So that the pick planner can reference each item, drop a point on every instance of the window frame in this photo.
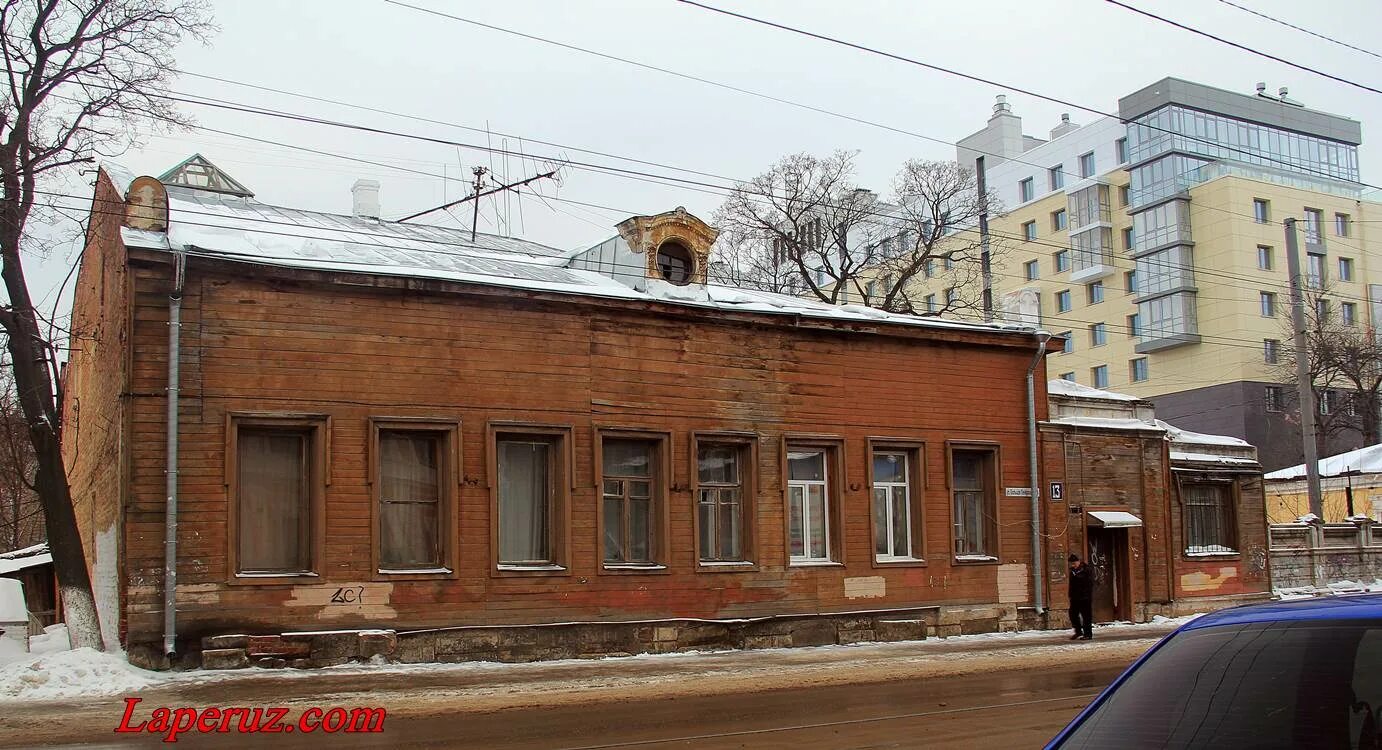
(1120, 150)
(1231, 504)
(915, 450)
(1026, 190)
(1266, 300)
(660, 484)
(559, 509)
(1265, 215)
(1032, 269)
(1029, 233)
(1348, 314)
(1098, 334)
(1094, 292)
(1087, 165)
(1271, 351)
(318, 426)
(748, 502)
(1133, 367)
(1069, 303)
(1272, 398)
(1130, 282)
(1134, 325)
(1128, 241)
(1061, 260)
(835, 483)
(1264, 253)
(1055, 177)
(1060, 220)
(448, 485)
(1342, 221)
(994, 472)
(1095, 372)
(1345, 269)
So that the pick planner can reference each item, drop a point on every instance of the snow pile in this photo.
(1061, 387)
(70, 674)
(12, 607)
(1332, 589)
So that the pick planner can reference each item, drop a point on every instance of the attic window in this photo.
(675, 263)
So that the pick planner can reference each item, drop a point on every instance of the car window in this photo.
(1275, 685)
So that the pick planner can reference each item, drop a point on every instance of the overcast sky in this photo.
(379, 55)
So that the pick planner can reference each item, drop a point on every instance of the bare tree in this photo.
(21, 516)
(805, 227)
(80, 75)
(1344, 360)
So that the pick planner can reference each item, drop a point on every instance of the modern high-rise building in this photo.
(1154, 243)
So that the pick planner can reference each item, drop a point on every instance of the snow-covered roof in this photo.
(238, 228)
(1177, 435)
(1062, 387)
(1364, 460)
(1108, 423)
(28, 557)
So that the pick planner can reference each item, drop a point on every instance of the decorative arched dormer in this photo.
(146, 205)
(675, 245)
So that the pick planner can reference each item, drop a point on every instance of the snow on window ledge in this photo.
(634, 566)
(277, 575)
(408, 571)
(816, 564)
(518, 567)
(1211, 551)
(975, 558)
(894, 559)
(725, 563)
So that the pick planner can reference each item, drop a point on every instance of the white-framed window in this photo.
(1099, 376)
(1025, 191)
(1087, 164)
(1268, 304)
(1137, 369)
(1264, 257)
(1261, 210)
(1314, 217)
(1341, 222)
(1056, 176)
(892, 506)
(808, 501)
(1031, 270)
(1314, 270)
(1345, 269)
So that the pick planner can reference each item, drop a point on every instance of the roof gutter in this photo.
(1038, 598)
(170, 521)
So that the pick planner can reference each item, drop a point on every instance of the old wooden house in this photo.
(1172, 521)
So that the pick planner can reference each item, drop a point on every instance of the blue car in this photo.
(1290, 674)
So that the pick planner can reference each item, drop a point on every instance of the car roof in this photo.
(1349, 607)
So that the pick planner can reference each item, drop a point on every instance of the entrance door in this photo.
(1104, 559)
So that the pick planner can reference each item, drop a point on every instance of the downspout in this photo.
(170, 522)
(1038, 562)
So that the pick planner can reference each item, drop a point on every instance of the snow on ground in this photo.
(1337, 587)
(52, 669)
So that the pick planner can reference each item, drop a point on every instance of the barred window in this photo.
(1209, 523)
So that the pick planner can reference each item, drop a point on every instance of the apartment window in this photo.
(1209, 523)
(1124, 196)
(1130, 282)
(1127, 238)
(930, 303)
(975, 510)
(1341, 223)
(1134, 325)
(1063, 301)
(277, 479)
(928, 269)
(1273, 398)
(1348, 313)
(1261, 210)
(1345, 269)
(533, 470)
(1095, 291)
(1264, 257)
(870, 290)
(951, 295)
(1068, 376)
(1058, 220)
(896, 503)
(1314, 270)
(1099, 376)
(1271, 351)
(1137, 369)
(1068, 342)
(1029, 231)
(414, 477)
(1031, 269)
(1120, 148)
(810, 491)
(1321, 310)
(1025, 191)
(1056, 176)
(723, 499)
(631, 479)
(1313, 219)
(1061, 258)
(1326, 403)
(948, 262)
(1087, 165)
(1098, 334)
(1268, 304)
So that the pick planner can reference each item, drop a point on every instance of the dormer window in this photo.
(675, 263)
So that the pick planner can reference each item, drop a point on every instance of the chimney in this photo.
(1261, 88)
(1000, 140)
(365, 199)
(1001, 106)
(1282, 92)
(1064, 127)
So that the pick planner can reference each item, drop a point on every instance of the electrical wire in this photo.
(1287, 24)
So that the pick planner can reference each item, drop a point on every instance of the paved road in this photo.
(1005, 692)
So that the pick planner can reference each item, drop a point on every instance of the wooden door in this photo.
(1103, 558)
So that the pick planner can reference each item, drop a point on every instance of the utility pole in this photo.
(479, 185)
(985, 261)
(1305, 392)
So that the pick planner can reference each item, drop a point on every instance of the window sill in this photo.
(899, 562)
(540, 570)
(1212, 555)
(815, 564)
(274, 579)
(975, 560)
(717, 566)
(633, 568)
(414, 571)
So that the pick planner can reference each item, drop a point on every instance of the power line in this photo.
(990, 82)
(1242, 47)
(1274, 19)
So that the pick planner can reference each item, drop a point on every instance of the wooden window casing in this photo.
(560, 483)
(1209, 521)
(244, 560)
(832, 484)
(658, 481)
(883, 526)
(974, 501)
(445, 434)
(710, 498)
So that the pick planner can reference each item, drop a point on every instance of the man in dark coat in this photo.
(1081, 599)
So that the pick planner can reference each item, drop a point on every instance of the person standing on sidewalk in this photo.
(1081, 599)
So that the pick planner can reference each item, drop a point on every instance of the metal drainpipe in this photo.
(170, 522)
(1038, 563)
